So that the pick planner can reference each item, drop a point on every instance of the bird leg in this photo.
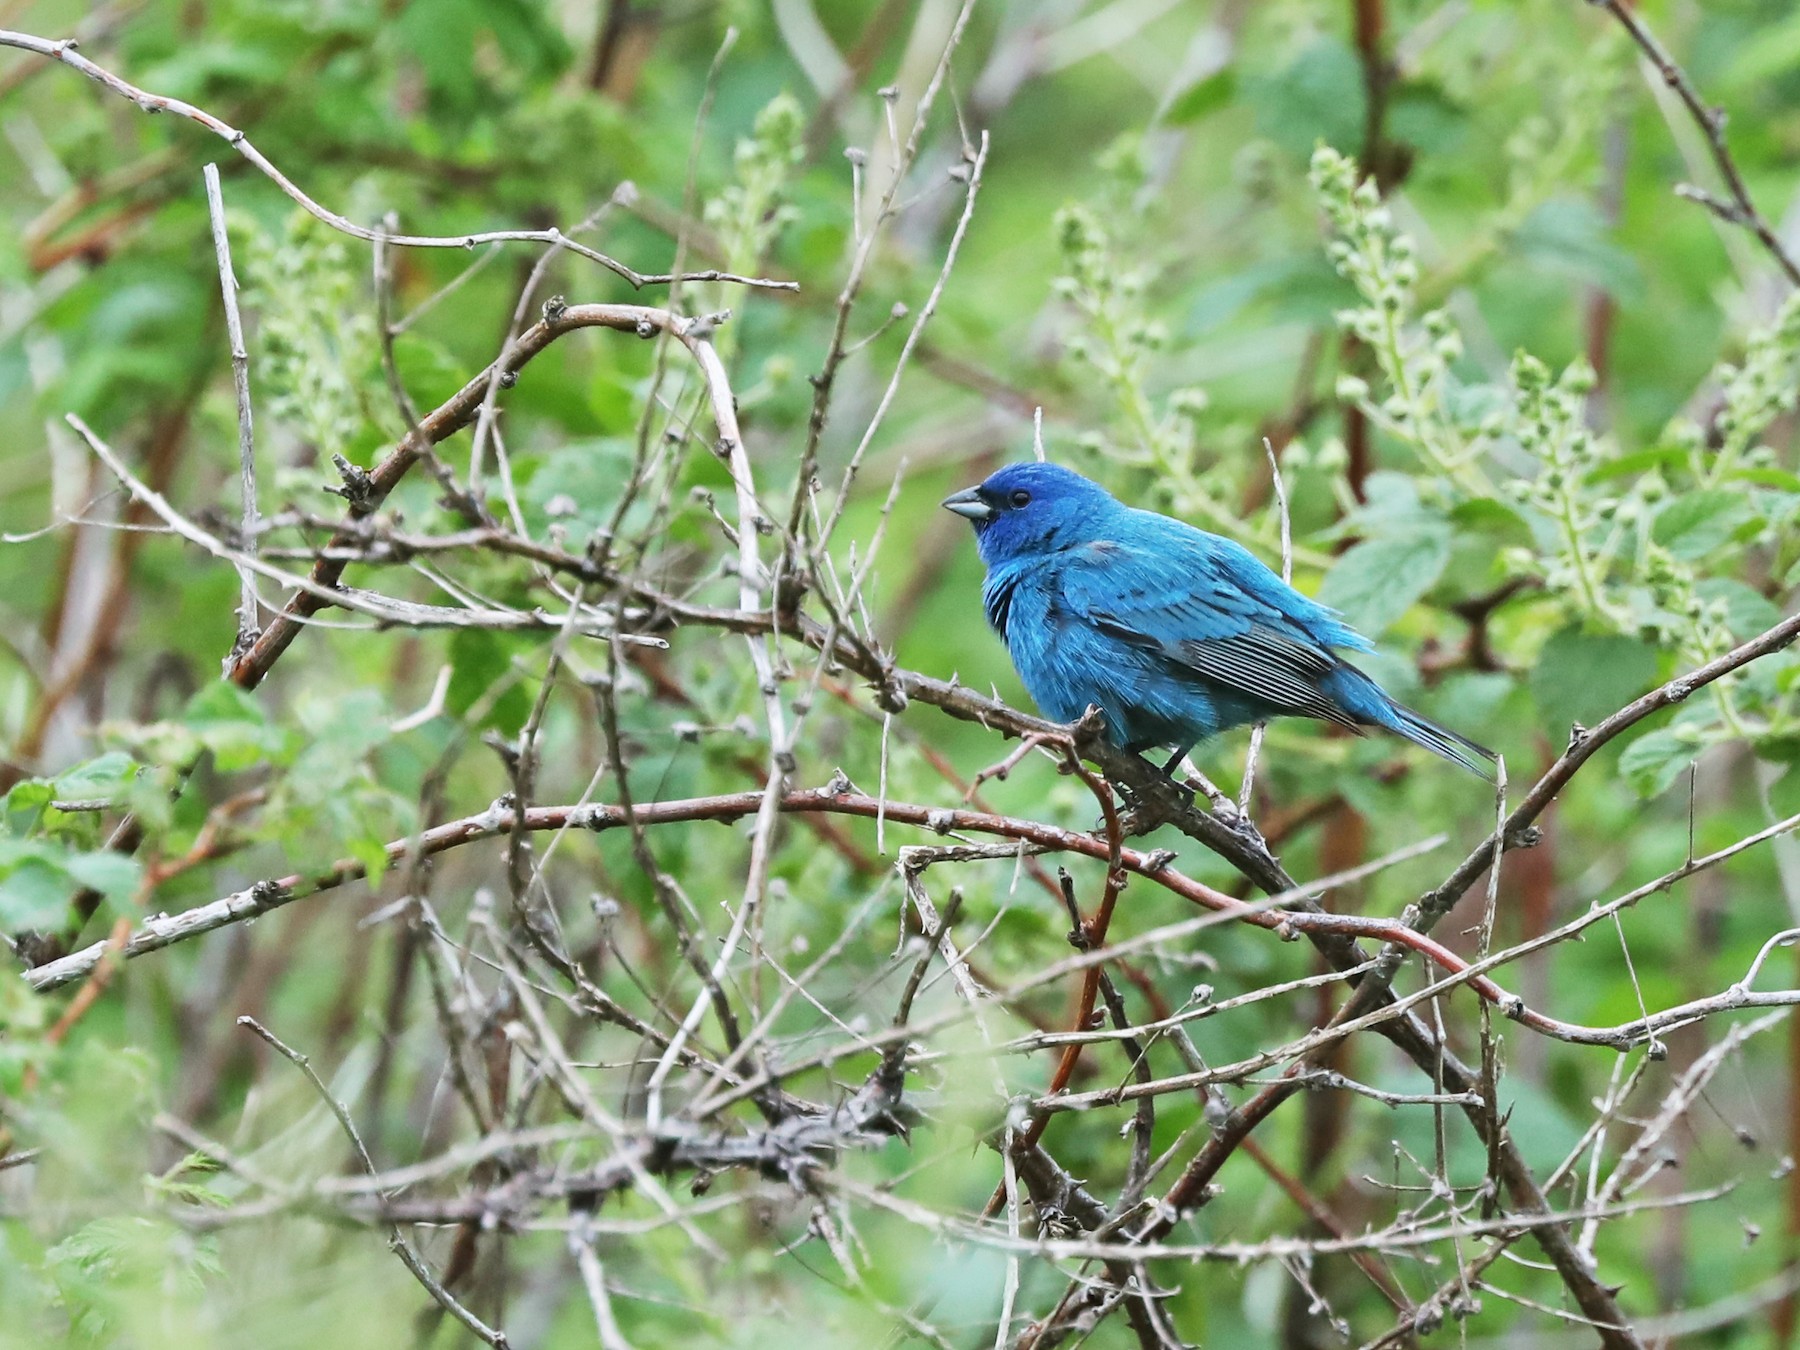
(1222, 804)
(1233, 817)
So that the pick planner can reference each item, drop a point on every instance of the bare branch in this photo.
(396, 1239)
(249, 622)
(1740, 210)
(65, 52)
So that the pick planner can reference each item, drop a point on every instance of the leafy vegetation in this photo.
(566, 819)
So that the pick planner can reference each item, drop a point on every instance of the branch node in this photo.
(702, 328)
(358, 489)
(1526, 836)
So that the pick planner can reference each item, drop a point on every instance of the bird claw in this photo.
(1245, 829)
(1241, 824)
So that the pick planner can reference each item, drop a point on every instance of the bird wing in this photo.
(1184, 602)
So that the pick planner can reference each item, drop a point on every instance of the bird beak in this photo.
(969, 504)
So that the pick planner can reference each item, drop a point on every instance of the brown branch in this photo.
(1741, 209)
(1583, 746)
(501, 821)
(1159, 800)
(835, 351)
(1089, 935)
(249, 624)
(365, 491)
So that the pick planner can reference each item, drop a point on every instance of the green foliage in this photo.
(1119, 341)
(1535, 422)
(1647, 546)
(101, 1268)
(49, 854)
(1402, 556)
(316, 358)
(750, 213)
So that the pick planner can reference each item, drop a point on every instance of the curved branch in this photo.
(1740, 210)
(166, 930)
(837, 799)
(64, 51)
(1437, 903)
(365, 491)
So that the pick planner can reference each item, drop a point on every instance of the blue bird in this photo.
(1175, 634)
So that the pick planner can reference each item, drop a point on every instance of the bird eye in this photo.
(1021, 498)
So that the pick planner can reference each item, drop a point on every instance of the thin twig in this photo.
(65, 52)
(1287, 575)
(396, 1239)
(1741, 210)
(249, 619)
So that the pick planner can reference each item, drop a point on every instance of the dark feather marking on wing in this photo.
(1261, 663)
(997, 600)
(1247, 664)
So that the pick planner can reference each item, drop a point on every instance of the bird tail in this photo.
(1442, 741)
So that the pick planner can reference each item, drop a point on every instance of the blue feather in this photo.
(1175, 634)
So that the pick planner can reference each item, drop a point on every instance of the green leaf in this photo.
(228, 722)
(1425, 117)
(430, 372)
(372, 854)
(1771, 478)
(479, 662)
(1318, 97)
(102, 779)
(1219, 302)
(1568, 235)
(442, 34)
(112, 874)
(25, 804)
(578, 485)
(1390, 497)
(1774, 53)
(1585, 677)
(38, 877)
(1747, 610)
(1777, 749)
(1203, 96)
(1490, 515)
(34, 892)
(222, 702)
(1784, 794)
(1637, 462)
(1695, 523)
(1379, 580)
(1655, 760)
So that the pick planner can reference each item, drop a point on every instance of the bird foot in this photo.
(1241, 824)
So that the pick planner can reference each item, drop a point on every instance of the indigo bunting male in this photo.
(1175, 634)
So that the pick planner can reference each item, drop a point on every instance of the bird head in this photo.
(1028, 509)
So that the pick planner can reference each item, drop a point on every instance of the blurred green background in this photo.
(1149, 264)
